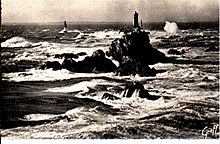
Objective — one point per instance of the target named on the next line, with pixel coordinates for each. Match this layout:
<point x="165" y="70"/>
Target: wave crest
<point x="18" y="42"/>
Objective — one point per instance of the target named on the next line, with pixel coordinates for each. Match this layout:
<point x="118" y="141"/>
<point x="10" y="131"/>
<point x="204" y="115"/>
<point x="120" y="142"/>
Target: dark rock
<point x="81" y="53"/>
<point x="131" y="66"/>
<point x="69" y="64"/>
<point x="60" y="56"/>
<point x="48" y="55"/>
<point x="211" y="48"/>
<point x="55" y="65"/>
<point x="174" y="52"/>
<point x="99" y="54"/>
<point x="24" y="74"/>
<point x="110" y="135"/>
<point x="135" y="90"/>
<point x="109" y="97"/>
<point x="96" y="63"/>
<point x="66" y="55"/>
<point x="136" y="45"/>
<point x="134" y="53"/>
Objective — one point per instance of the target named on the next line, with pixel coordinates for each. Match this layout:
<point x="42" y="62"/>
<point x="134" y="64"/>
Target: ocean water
<point x="50" y="103"/>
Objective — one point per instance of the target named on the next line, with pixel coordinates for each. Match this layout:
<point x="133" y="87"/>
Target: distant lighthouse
<point x="136" y="25"/>
<point x="64" y="30"/>
<point x="65" y="24"/>
<point x="65" y="27"/>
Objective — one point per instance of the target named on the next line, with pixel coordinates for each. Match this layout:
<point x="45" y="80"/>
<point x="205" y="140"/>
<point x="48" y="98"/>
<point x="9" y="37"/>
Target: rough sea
<point x="61" y="104"/>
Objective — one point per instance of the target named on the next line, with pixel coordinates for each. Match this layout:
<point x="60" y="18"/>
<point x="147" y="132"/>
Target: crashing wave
<point x="17" y="42"/>
<point x="171" y="27"/>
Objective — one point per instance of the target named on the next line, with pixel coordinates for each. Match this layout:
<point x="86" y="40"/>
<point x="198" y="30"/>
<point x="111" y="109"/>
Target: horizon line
<point x="84" y="22"/>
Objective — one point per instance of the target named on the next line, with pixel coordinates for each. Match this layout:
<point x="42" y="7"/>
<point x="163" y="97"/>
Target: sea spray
<point x="171" y="27"/>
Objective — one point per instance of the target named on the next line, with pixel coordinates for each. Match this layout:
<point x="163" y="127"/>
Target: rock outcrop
<point x="55" y="65"/>
<point x="134" y="52"/>
<point x="136" y="45"/>
<point x="69" y="64"/>
<point x="95" y="63"/>
<point x="130" y="66"/>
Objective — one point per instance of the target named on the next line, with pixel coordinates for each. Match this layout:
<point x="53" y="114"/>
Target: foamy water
<point x="65" y="104"/>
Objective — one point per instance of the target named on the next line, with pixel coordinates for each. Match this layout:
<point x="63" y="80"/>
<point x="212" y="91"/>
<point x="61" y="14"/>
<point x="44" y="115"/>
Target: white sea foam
<point x="106" y="34"/>
<point x="40" y="53"/>
<point x="162" y="66"/>
<point x="48" y="75"/>
<point x="101" y="35"/>
<point x="38" y="75"/>
<point x="66" y="30"/>
<point x="81" y="86"/>
<point x="46" y="30"/>
<point x="36" y="117"/>
<point x="183" y="73"/>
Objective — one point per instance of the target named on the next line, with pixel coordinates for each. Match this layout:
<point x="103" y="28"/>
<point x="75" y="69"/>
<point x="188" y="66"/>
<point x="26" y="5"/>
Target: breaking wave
<point x="171" y="27"/>
<point x="18" y="42"/>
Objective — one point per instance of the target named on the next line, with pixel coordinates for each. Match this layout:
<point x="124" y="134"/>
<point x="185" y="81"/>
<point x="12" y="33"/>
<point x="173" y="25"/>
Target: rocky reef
<point x="95" y="63"/>
<point x="134" y="52"/>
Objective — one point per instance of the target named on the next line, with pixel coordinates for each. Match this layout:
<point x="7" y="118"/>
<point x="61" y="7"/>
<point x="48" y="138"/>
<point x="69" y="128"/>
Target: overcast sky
<point x="109" y="10"/>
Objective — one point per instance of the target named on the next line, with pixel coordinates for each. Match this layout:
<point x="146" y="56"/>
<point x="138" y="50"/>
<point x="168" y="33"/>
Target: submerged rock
<point x="174" y="52"/>
<point x="109" y="97"/>
<point x="135" y="90"/>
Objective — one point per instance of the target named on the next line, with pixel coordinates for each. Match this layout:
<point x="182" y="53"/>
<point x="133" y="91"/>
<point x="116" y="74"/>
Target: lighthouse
<point x="136" y="25"/>
<point x="65" y="27"/>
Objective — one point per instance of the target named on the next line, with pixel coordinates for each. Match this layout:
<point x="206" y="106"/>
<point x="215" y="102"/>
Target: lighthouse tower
<point x="65" y="27"/>
<point x="136" y="25"/>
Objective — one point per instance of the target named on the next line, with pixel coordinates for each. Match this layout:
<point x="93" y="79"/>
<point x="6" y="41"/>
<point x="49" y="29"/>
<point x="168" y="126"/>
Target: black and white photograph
<point x="109" y="69"/>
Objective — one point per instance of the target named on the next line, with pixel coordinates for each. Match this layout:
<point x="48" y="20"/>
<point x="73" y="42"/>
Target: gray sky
<point x="109" y="10"/>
